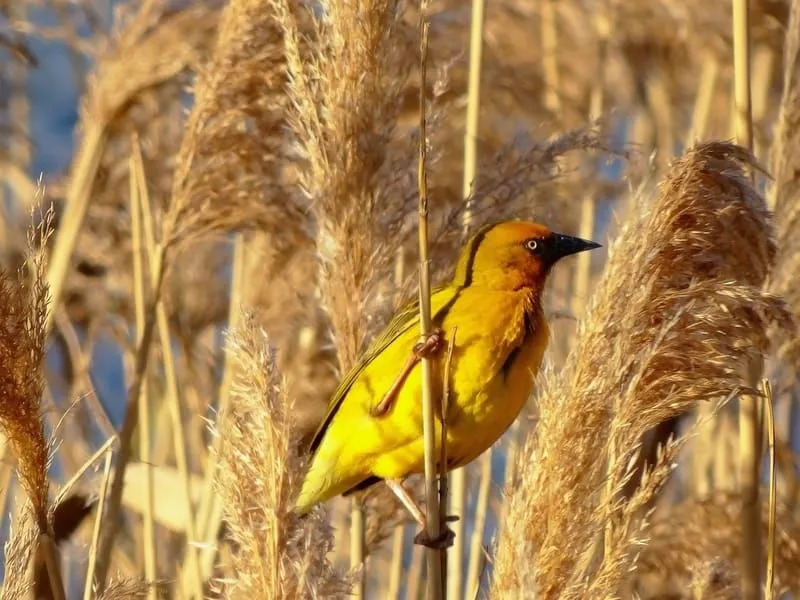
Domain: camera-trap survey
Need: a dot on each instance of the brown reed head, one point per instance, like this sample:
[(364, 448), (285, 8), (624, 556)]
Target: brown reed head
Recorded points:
[(277, 553), (676, 318), (23, 309)]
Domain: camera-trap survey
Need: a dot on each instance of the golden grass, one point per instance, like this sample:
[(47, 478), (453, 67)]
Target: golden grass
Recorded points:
[(690, 267), (278, 554), (294, 127)]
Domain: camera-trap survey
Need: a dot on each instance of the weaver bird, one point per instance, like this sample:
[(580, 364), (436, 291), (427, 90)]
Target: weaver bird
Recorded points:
[(491, 319)]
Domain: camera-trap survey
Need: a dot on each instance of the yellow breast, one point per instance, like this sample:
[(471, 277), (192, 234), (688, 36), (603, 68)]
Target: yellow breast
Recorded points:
[(499, 338)]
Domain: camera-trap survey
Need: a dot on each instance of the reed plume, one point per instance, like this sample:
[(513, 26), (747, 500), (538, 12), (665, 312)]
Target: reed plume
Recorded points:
[(229, 167), (785, 190), (277, 554), (690, 268), (23, 309), (705, 530)]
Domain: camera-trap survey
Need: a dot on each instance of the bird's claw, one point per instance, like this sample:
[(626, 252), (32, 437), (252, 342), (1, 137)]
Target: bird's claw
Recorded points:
[(430, 346), (440, 542)]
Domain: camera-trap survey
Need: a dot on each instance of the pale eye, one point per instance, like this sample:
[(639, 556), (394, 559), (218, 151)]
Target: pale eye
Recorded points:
[(532, 245)]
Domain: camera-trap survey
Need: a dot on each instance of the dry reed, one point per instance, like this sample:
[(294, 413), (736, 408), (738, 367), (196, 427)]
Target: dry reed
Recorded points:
[(690, 267), (704, 530), (277, 554)]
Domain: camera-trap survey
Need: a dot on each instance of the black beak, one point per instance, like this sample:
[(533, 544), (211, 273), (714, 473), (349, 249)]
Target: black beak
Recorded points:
[(563, 245)]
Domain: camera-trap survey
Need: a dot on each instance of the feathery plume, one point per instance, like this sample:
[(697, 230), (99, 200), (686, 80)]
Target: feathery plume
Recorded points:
[(278, 554), (690, 268), (23, 309)]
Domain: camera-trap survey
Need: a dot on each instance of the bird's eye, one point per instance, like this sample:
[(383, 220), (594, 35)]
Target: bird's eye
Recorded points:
[(532, 245)]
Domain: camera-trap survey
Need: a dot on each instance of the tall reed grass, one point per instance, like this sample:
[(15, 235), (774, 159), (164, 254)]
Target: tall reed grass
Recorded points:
[(238, 218)]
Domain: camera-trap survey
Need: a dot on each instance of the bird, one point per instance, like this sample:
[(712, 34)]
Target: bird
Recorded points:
[(491, 321)]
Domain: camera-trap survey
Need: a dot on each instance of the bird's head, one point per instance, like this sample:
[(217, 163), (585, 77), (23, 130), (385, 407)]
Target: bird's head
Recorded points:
[(514, 254)]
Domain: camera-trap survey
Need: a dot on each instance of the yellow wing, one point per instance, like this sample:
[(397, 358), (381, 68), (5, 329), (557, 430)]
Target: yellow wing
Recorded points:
[(441, 301)]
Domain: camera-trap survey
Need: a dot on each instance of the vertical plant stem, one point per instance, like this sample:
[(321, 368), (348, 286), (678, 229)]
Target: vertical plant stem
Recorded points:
[(583, 267), (705, 95), (357, 546), (106, 544), (52, 564), (703, 444), (768, 411), (549, 31), (80, 186), (92, 563), (173, 396), (458, 478), (479, 524), (148, 524), (398, 535), (396, 563), (436, 583), (749, 422)]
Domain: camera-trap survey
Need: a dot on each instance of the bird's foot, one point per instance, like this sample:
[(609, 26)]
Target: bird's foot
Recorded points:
[(440, 542), (430, 346)]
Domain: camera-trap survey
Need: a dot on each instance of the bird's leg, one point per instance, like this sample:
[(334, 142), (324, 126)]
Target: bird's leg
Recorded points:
[(443, 540), (428, 348)]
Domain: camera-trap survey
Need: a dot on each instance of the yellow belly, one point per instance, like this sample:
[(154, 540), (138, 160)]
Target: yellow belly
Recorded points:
[(487, 392), (484, 399)]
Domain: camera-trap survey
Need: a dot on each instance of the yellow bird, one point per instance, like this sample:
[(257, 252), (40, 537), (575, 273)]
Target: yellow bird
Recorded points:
[(491, 315)]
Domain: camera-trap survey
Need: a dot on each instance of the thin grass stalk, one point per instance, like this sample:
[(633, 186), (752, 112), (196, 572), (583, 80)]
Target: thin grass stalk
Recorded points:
[(357, 547), (705, 95), (396, 563), (173, 398), (137, 182), (67, 487), (583, 266), (702, 453), (129, 423), (436, 584), (209, 511), (93, 548), (52, 562), (458, 478), (473, 580), (552, 80), (770, 421), (415, 573), (763, 59), (80, 186), (398, 535), (749, 422)]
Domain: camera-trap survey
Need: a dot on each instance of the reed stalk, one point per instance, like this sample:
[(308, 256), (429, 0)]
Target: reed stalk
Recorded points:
[(79, 191), (552, 79), (457, 484), (476, 550), (154, 253), (749, 421), (138, 183), (436, 583), (358, 547), (396, 563), (209, 511), (770, 423), (92, 562)]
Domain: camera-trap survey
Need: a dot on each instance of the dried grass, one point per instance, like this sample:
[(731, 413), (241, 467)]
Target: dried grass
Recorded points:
[(20, 550), (707, 530), (690, 269), (23, 309), (229, 171), (277, 554)]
